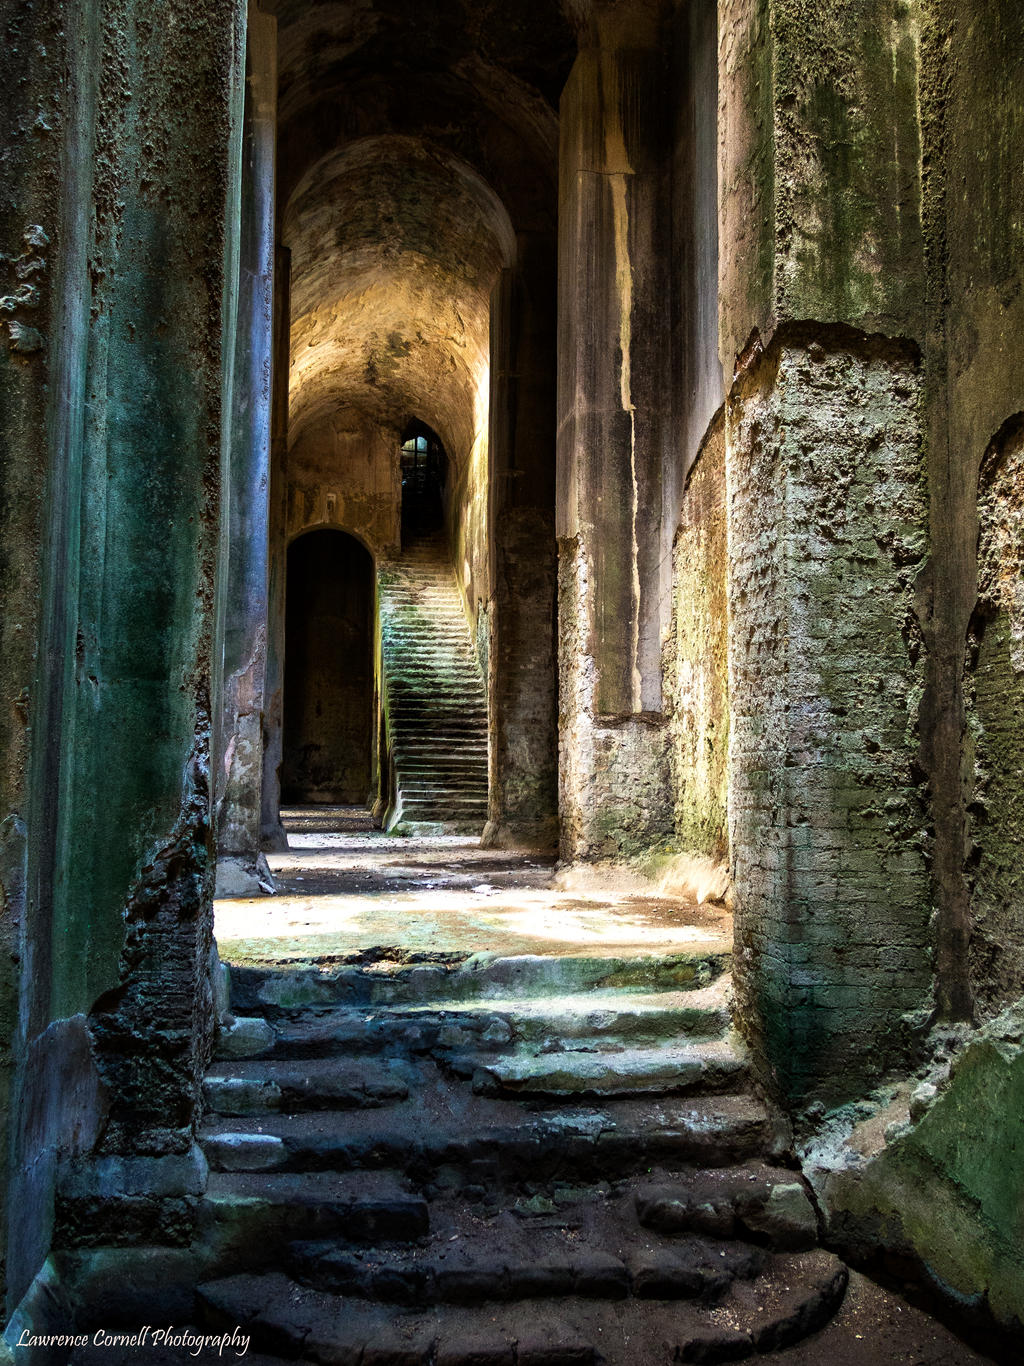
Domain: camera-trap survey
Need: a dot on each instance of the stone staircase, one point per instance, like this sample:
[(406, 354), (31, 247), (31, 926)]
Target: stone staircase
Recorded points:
[(522, 1161), (434, 694)]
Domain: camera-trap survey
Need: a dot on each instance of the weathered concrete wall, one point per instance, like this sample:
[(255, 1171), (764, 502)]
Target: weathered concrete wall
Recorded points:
[(45, 193), (523, 558), (697, 659), (819, 168), (995, 719), (696, 379), (827, 534), (328, 720), (616, 514), (467, 497), (343, 472), (613, 772), (116, 930), (971, 67)]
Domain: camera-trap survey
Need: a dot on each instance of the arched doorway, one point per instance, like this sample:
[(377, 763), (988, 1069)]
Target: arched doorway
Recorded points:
[(328, 694), (424, 477)]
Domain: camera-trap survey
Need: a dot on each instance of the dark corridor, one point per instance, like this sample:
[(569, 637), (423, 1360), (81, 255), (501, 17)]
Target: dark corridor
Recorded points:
[(328, 693)]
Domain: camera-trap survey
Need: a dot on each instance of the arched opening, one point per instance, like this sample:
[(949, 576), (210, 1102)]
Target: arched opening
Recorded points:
[(424, 468), (328, 701)]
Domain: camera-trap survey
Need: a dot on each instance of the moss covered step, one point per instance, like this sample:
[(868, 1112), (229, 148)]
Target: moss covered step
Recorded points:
[(480, 977), (492, 1139), (714, 1065), (435, 697), (793, 1298)]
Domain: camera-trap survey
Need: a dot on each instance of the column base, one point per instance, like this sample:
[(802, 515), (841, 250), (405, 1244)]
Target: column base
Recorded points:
[(244, 875)]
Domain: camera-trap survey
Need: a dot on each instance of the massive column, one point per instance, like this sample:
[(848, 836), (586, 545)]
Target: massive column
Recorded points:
[(821, 323), (130, 133), (241, 867), (522, 555), (615, 512)]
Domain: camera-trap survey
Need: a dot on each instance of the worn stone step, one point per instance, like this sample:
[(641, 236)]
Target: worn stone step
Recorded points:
[(609, 1019), (467, 789), (246, 1219), (503, 1262), (491, 1140), (716, 1065), (795, 1298), (478, 977), (771, 1205), (272, 1085)]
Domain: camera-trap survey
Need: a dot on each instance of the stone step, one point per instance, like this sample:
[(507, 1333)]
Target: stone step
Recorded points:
[(795, 1297), (421, 785), (454, 744), (507, 1258), (432, 825), (771, 1205), (457, 760), (245, 1220), (439, 726), (478, 977), (424, 807), (271, 1085), (604, 1019), (717, 1065), (485, 1141)]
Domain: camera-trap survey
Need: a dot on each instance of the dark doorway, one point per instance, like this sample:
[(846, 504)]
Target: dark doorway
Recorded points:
[(328, 677), (424, 470)]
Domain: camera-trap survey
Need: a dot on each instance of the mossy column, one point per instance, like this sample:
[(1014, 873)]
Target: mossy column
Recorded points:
[(614, 557), (115, 999), (241, 869), (821, 325)]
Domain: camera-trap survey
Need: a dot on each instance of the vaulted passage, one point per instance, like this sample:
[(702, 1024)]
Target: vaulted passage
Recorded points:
[(511, 565)]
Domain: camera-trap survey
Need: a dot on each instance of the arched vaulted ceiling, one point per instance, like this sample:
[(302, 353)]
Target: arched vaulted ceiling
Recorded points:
[(417, 140), (395, 250)]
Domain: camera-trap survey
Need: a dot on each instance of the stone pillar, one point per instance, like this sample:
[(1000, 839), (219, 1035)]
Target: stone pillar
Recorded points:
[(129, 247), (241, 867), (523, 562), (272, 835), (821, 286), (614, 521)]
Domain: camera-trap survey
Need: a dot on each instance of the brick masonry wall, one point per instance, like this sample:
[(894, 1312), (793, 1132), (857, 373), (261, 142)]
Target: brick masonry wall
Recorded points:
[(697, 657), (827, 534), (994, 693)]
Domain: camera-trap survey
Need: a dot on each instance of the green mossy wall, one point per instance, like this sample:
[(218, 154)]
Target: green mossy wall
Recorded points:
[(946, 1193), (125, 447)]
